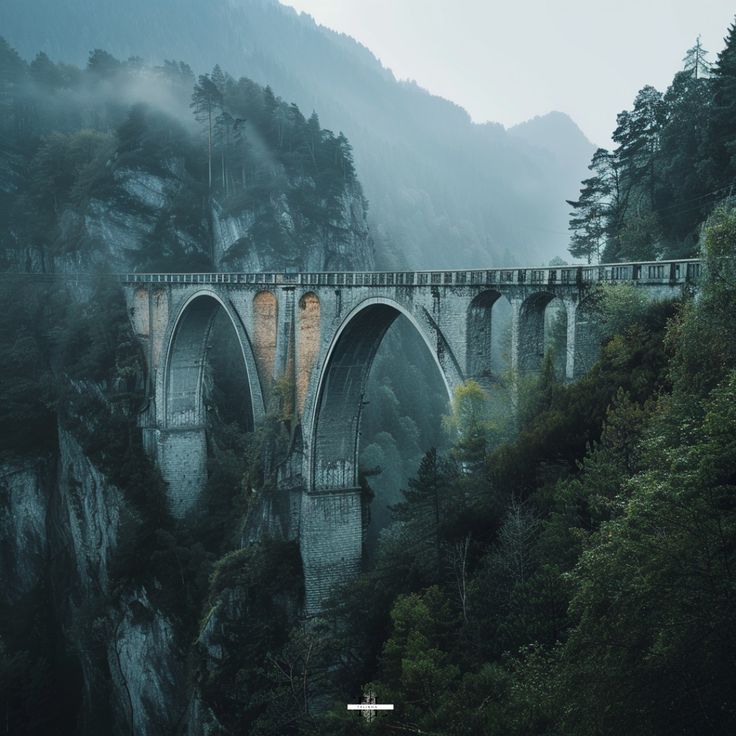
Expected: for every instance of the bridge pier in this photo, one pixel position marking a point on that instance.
(571, 307)
(182, 460)
(516, 304)
(331, 542)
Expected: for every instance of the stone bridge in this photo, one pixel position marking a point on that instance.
(323, 329)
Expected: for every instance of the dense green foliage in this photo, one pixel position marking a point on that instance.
(673, 162)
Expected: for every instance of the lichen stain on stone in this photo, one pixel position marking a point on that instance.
(265, 320)
(139, 314)
(308, 342)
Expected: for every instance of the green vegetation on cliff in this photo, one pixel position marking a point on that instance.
(673, 163)
(148, 168)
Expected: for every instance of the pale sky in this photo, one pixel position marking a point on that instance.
(508, 61)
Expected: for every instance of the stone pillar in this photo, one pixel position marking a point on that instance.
(478, 336)
(516, 303)
(331, 542)
(531, 335)
(182, 459)
(285, 334)
(571, 307)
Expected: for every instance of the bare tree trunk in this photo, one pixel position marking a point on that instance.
(209, 147)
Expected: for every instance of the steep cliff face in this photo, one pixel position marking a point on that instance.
(344, 243)
(60, 528)
(24, 502)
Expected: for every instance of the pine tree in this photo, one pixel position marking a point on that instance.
(206, 99)
(683, 198)
(720, 147)
(637, 134)
(592, 212)
(426, 498)
(695, 61)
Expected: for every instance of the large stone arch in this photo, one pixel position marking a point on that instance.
(331, 530)
(181, 448)
(335, 418)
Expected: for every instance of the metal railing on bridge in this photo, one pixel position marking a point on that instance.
(646, 272)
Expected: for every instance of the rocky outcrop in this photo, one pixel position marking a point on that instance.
(24, 502)
(343, 243)
(147, 666)
(88, 515)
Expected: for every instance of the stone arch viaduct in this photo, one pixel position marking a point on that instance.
(325, 328)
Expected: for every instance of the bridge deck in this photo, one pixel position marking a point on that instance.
(648, 272)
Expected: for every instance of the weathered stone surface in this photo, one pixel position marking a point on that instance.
(331, 542)
(147, 666)
(23, 540)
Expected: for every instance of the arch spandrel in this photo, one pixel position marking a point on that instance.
(308, 337)
(265, 334)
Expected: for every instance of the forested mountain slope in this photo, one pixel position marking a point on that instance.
(443, 191)
(146, 168)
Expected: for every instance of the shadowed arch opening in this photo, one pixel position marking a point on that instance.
(488, 336)
(479, 333)
(543, 330)
(187, 361)
(206, 368)
(342, 394)
(588, 335)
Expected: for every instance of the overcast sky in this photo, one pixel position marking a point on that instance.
(508, 61)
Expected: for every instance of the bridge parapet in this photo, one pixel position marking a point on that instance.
(649, 273)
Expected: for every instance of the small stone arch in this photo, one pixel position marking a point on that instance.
(532, 343)
(478, 334)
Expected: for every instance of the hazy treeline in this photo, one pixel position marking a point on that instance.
(77, 142)
(672, 163)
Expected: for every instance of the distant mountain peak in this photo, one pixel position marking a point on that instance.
(551, 129)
